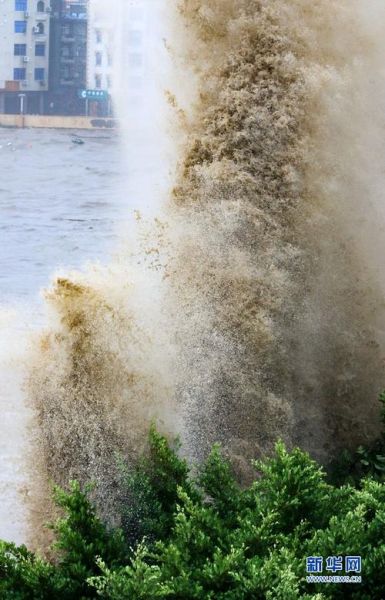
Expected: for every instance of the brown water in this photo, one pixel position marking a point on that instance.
(279, 273)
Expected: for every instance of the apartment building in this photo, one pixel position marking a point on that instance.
(82, 33)
(68, 56)
(100, 47)
(53, 50)
(24, 55)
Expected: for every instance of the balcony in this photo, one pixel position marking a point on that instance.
(74, 16)
(38, 33)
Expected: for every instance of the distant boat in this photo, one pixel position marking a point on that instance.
(77, 140)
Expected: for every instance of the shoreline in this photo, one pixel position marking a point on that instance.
(57, 122)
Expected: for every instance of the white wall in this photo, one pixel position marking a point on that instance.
(102, 18)
(8, 38)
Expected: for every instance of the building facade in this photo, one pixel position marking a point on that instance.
(53, 50)
(101, 43)
(24, 55)
(68, 57)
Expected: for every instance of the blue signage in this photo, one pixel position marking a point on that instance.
(98, 95)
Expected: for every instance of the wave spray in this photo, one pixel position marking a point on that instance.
(254, 307)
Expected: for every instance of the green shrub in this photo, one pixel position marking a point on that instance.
(228, 543)
(24, 576)
(80, 538)
(365, 461)
(152, 490)
(203, 537)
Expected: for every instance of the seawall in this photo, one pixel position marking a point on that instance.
(57, 122)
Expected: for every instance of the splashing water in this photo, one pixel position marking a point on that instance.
(279, 267)
(103, 369)
(252, 306)
(15, 418)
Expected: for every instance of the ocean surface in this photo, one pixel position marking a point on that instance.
(60, 205)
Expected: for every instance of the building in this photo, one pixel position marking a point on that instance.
(101, 43)
(24, 50)
(142, 50)
(68, 57)
(53, 50)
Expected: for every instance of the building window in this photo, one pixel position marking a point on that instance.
(20, 26)
(109, 82)
(135, 60)
(19, 74)
(67, 30)
(98, 82)
(65, 73)
(20, 4)
(66, 52)
(20, 49)
(136, 13)
(99, 37)
(40, 28)
(98, 59)
(39, 74)
(134, 37)
(136, 83)
(81, 51)
(40, 6)
(39, 49)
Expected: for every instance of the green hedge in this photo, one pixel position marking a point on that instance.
(203, 537)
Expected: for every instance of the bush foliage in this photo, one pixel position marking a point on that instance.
(203, 537)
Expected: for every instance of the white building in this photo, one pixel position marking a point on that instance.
(24, 51)
(102, 22)
(115, 52)
(138, 51)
